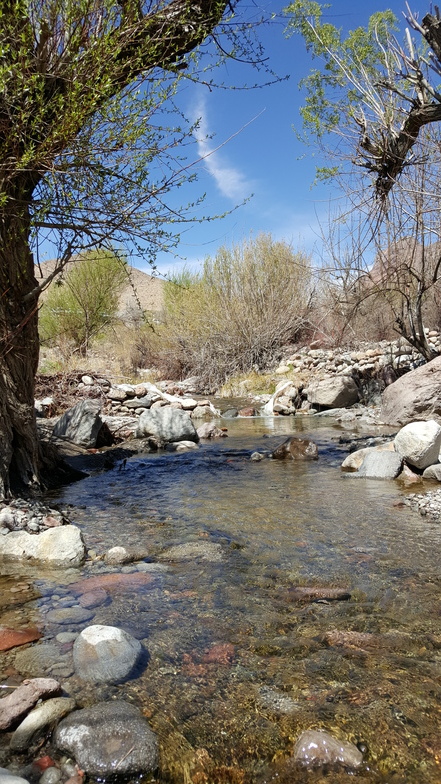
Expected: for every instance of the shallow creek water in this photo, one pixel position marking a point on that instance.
(237, 666)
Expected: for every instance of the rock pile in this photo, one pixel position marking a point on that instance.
(370, 359)
(28, 515)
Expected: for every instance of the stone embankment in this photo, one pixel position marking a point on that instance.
(367, 360)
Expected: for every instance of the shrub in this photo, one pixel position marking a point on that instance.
(236, 314)
(79, 306)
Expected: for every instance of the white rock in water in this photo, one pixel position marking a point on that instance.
(105, 654)
(61, 546)
(315, 748)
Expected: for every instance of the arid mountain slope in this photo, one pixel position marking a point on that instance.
(142, 289)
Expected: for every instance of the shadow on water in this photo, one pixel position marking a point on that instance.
(238, 664)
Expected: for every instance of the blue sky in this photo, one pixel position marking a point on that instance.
(248, 150)
(255, 150)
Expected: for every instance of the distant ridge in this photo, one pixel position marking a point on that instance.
(149, 290)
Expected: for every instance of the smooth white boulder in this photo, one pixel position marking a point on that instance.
(61, 546)
(419, 443)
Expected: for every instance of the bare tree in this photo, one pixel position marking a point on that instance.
(392, 267)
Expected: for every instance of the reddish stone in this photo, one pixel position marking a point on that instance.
(52, 522)
(115, 582)
(43, 763)
(247, 412)
(192, 669)
(93, 598)
(219, 653)
(12, 638)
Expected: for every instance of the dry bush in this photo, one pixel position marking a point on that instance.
(237, 314)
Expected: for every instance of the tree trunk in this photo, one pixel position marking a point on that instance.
(19, 350)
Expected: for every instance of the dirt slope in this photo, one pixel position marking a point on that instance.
(149, 290)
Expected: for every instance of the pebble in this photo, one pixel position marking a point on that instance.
(427, 504)
(51, 776)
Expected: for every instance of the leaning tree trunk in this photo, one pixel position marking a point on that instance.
(19, 349)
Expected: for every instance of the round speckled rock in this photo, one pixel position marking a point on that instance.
(109, 738)
(105, 654)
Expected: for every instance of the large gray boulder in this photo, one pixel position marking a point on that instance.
(108, 739)
(419, 443)
(105, 654)
(380, 465)
(335, 392)
(416, 395)
(80, 424)
(166, 424)
(62, 546)
(354, 460)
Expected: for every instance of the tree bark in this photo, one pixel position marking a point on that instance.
(19, 350)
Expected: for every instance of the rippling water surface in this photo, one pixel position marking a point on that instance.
(237, 666)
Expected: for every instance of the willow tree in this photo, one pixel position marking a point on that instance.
(87, 154)
(375, 88)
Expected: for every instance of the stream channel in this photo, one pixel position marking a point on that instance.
(237, 666)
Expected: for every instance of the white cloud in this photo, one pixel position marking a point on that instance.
(231, 182)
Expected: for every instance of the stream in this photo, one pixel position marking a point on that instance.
(238, 666)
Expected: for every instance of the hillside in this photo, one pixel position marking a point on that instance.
(149, 290)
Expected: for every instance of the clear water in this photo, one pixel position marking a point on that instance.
(237, 667)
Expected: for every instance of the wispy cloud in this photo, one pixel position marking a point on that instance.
(231, 182)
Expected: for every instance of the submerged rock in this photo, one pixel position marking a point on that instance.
(108, 739)
(303, 593)
(207, 551)
(277, 701)
(6, 777)
(296, 449)
(112, 583)
(105, 654)
(13, 638)
(315, 748)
